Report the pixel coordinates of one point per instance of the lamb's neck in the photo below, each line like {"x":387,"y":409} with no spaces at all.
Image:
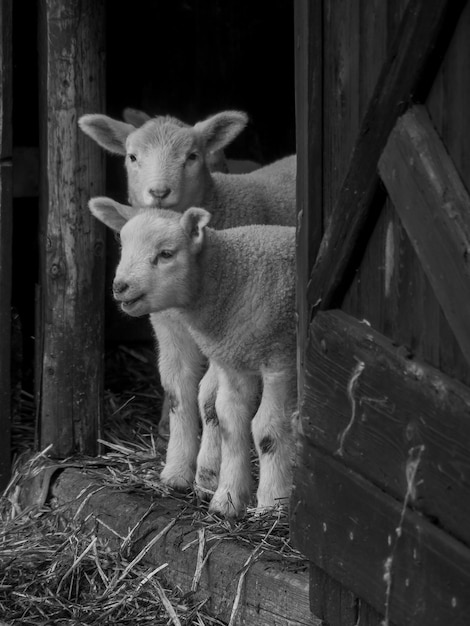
{"x":214,"y":295}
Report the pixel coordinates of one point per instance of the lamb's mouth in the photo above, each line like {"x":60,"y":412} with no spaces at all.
{"x":126,"y":305}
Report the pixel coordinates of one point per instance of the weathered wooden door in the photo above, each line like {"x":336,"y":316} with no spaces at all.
{"x":382,"y":490}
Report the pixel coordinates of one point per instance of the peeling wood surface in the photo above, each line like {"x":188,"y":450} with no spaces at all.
{"x":368,"y":402}
{"x":406,"y":568}
{"x":434,"y":207}
{"x":272,"y":595}
{"x":69,"y":378}
{"x":6,"y":223}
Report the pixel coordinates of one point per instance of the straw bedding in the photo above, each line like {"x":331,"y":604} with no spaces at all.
{"x":56,"y":569}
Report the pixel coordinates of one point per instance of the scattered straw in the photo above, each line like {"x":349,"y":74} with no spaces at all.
{"x":57,"y":570}
{"x":200,"y":559}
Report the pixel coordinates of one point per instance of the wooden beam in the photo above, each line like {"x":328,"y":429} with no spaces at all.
{"x":405,"y":567}
{"x":272,"y":593}
{"x":309,"y":124}
{"x":433,"y":205}
{"x":368,"y":402}
{"x":71,"y":36}
{"x":424,"y":28}
{"x":6,"y":223}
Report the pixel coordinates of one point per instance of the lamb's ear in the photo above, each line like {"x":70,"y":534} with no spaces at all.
{"x":222,"y":128}
{"x":193,"y":222}
{"x":108,"y":133}
{"x":110,"y":212}
{"x":135,"y":117}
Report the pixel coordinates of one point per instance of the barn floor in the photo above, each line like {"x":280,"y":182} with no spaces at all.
{"x":243,"y":573}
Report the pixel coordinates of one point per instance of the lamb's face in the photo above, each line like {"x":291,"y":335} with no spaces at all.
{"x":165,"y":165}
{"x":156,"y":270}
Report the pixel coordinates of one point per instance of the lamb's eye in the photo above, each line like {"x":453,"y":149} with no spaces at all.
{"x":132,"y":158}
{"x":164,"y":255}
{"x":192,"y":156}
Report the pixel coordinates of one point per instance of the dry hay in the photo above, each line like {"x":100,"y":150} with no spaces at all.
{"x":57,"y":570}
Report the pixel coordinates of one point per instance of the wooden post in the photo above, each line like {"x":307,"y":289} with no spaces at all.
{"x":70,"y":343}
{"x":6,"y":218}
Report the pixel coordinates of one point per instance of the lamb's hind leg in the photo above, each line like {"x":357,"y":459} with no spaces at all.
{"x":181,"y":367}
{"x":272,"y":434}
{"x":235,"y":405}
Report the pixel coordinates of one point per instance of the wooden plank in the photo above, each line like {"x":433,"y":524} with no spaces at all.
{"x":424,"y":29}
{"x":6,"y":221}
{"x":72,"y":77}
{"x":433,"y":205}
{"x":447,"y":105}
{"x":309,"y":124}
{"x":338,"y":606}
{"x":409,"y":570}
{"x":367,"y":401}
{"x":272,"y":594}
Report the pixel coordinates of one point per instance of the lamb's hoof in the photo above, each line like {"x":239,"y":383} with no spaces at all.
{"x":177,"y":478}
{"x":224,"y":505}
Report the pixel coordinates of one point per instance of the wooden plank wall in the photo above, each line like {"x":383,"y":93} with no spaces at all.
{"x":6,"y":219}
{"x":69,"y":373}
{"x":390,"y":289}
{"x":384,"y":469}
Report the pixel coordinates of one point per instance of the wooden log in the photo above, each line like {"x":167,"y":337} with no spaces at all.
{"x":432,"y":203}
{"x":272,"y":593}
{"x":372,"y":405}
{"x":409,"y":570}
{"x":424,"y":29}
{"x":6,"y":222}
{"x":309,"y":123}
{"x":71,"y":35}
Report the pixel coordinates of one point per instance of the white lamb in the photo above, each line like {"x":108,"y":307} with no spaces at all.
{"x":166,"y":164}
{"x":234,"y":290}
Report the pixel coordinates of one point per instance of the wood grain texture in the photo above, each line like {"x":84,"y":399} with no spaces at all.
{"x":368,"y":402}
{"x":6,"y":223}
{"x":336,"y":605}
{"x":72,"y":242}
{"x":401,"y":76}
{"x":410,"y":571}
{"x":432,"y":203}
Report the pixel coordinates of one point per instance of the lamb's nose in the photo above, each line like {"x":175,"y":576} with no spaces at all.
{"x":160,"y":193}
{"x":119,"y":286}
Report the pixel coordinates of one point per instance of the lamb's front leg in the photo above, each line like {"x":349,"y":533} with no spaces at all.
{"x":208,"y":460}
{"x":181,"y":367}
{"x":273,"y":437}
{"x":235,"y":406}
